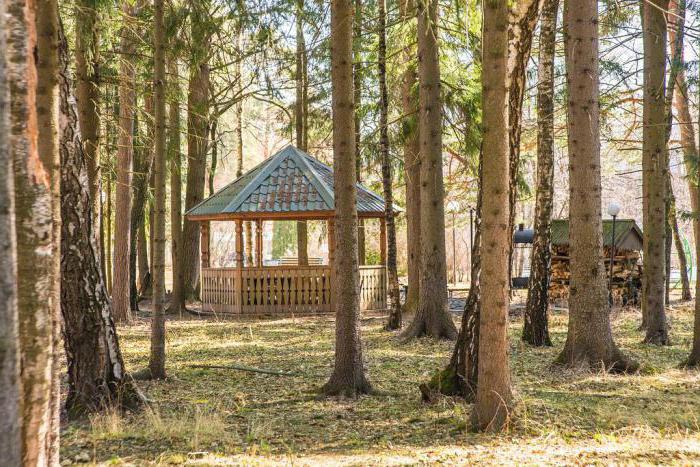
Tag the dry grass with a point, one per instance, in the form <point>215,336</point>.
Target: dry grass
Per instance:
<point>213,417</point>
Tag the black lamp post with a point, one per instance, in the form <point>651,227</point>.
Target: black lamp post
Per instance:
<point>613,210</point>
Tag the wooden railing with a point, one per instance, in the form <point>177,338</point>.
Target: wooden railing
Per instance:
<point>284,289</point>
<point>373,288</point>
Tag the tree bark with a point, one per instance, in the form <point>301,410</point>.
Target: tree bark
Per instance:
<point>493,393</point>
<point>30,44</point>
<point>125,144</point>
<point>411,155</point>
<point>535,327</point>
<point>522,21</point>
<point>138,256</point>
<point>655,177</point>
<point>394,304</point>
<point>589,339</point>
<point>693,360</point>
<point>156,362</point>
<point>213,138</point>
<point>177,301</point>
<point>197,124</point>
<point>432,316</point>
<point>461,375</point>
<point>10,385</point>
<point>685,121</point>
<point>47,103</point>
<point>108,235</point>
<point>87,68</point>
<point>357,93</point>
<point>676,35</point>
<point>680,251</point>
<point>300,121</point>
<point>348,377</point>
<point>96,375</point>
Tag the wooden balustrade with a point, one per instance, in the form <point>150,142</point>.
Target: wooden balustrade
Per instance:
<point>284,290</point>
<point>373,288</point>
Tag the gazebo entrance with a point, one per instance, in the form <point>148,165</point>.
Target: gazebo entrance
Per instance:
<point>291,185</point>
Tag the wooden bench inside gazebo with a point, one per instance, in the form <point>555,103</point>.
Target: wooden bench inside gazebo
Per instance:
<point>290,186</point>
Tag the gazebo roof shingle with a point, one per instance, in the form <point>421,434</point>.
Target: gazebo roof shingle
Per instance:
<point>289,182</point>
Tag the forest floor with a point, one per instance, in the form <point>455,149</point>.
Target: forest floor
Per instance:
<point>222,416</point>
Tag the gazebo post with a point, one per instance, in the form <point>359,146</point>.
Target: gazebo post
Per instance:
<point>258,243</point>
<point>204,244</point>
<point>238,281</point>
<point>382,241</point>
<point>331,259</point>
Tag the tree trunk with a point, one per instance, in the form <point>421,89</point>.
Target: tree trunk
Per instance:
<point>156,362</point>
<point>493,393</point>
<point>693,360</point>
<point>213,138</point>
<point>300,120</point>
<point>144,268</point>
<point>654,180</point>
<point>30,45</point>
<point>197,116</point>
<point>522,21</point>
<point>394,320</point>
<point>122,209</point>
<point>432,316</point>
<point>589,340</point>
<point>411,155</point>
<point>47,105</point>
<point>348,376</point>
<point>10,385</point>
<point>535,327</point>
<point>676,35</point>
<point>143,165</point>
<point>108,236</point>
<point>177,301</point>
<point>96,375</point>
<point>680,251</point>
<point>685,121</point>
<point>357,93</point>
<point>461,375</point>
<point>87,68</point>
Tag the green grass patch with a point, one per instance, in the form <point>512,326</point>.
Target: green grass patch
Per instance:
<point>214,416</point>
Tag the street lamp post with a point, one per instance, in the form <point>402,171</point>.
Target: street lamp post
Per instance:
<point>613,210</point>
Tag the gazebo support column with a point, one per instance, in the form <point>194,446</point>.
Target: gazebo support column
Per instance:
<point>204,244</point>
<point>238,281</point>
<point>259,243</point>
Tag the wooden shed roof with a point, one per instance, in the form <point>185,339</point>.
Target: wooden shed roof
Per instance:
<point>287,185</point>
<point>628,235</point>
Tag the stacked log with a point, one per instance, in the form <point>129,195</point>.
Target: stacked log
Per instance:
<point>626,275</point>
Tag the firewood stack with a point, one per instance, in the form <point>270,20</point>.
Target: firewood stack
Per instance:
<point>627,275</point>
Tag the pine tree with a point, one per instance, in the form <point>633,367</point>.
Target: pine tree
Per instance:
<point>493,393</point>
<point>589,338</point>
<point>432,316</point>
<point>535,328</point>
<point>348,376</point>
<point>156,362</point>
<point>655,178</point>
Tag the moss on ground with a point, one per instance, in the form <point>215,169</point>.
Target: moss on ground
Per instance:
<point>213,416</point>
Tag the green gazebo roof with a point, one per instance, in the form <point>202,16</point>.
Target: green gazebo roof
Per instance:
<point>289,183</point>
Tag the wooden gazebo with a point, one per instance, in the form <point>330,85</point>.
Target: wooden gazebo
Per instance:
<point>291,185</point>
